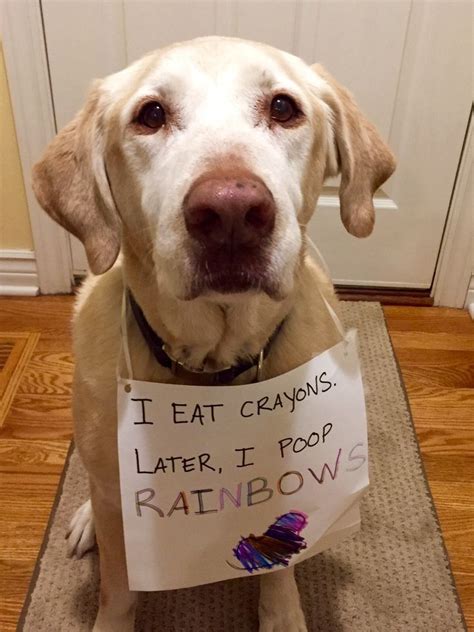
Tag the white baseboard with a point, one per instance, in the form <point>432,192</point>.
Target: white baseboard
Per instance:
<point>18,273</point>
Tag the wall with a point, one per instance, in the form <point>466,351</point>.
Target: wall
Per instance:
<point>15,231</point>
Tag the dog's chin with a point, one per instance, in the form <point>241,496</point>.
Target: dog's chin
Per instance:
<point>232,284</point>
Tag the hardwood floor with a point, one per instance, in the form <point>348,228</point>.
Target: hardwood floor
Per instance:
<point>435,348</point>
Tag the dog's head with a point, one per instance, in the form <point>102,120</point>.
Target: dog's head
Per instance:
<point>206,159</point>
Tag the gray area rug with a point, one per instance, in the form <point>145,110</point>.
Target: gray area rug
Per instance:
<point>392,576</point>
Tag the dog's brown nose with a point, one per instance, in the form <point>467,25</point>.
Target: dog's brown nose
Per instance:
<point>227,210</point>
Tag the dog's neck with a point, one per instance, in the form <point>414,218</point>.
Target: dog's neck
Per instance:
<point>204,333</point>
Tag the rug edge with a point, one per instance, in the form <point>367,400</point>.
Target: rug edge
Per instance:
<point>425,478</point>
<point>45,541</point>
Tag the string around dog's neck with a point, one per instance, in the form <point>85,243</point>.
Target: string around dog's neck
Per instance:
<point>157,346</point>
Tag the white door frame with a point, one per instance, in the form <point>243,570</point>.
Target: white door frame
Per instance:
<point>456,260</point>
<point>25,57</point>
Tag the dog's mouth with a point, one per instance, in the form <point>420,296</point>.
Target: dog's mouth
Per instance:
<point>224,271</point>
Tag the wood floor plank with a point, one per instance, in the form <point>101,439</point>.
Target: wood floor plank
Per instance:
<point>446,396</point>
<point>437,368</point>
<point>450,468</point>
<point>435,349</point>
<point>34,416</point>
<point>432,340</point>
<point>430,316</point>
<point>32,456</point>
<point>440,406</point>
<point>46,314</point>
<point>432,320</point>
<point>48,374</point>
<point>441,440</point>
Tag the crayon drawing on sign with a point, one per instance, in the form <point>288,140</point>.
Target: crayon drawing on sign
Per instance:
<point>276,546</point>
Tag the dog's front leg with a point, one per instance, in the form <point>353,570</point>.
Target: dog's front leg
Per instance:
<point>279,607</point>
<point>117,603</point>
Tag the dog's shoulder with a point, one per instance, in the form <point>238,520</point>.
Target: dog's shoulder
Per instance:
<point>96,322</point>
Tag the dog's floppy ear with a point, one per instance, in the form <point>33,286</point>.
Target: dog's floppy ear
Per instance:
<point>364,160</point>
<point>70,183</point>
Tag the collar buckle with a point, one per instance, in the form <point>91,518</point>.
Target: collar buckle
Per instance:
<point>176,364</point>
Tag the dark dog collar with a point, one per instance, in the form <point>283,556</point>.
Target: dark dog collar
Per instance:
<point>224,376</point>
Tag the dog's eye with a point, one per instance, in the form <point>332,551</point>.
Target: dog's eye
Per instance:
<point>283,108</point>
<point>152,115</point>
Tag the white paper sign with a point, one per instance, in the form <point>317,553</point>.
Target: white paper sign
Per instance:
<point>227,481</point>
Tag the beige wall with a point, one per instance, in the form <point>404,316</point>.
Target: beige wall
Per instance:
<point>15,231</point>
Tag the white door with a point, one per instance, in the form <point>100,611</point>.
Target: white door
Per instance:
<point>407,63</point>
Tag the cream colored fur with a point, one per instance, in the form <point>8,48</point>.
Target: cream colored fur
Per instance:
<point>211,85</point>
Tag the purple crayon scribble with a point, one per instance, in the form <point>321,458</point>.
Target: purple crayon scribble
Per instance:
<point>277,545</point>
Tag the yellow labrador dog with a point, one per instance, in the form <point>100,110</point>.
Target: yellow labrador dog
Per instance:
<point>200,164</point>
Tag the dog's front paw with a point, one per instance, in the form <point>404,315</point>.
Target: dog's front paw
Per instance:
<point>81,533</point>
<point>281,619</point>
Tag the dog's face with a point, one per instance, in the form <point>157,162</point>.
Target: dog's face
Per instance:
<point>207,159</point>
